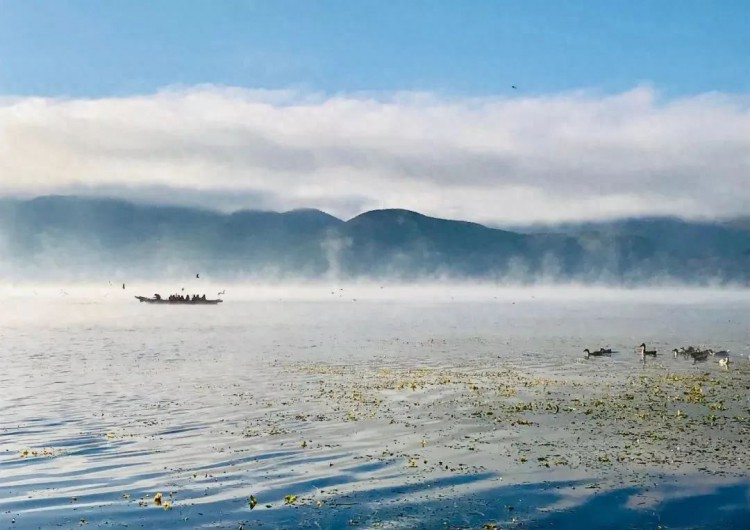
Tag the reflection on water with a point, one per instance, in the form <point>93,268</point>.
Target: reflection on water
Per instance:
<point>114,401</point>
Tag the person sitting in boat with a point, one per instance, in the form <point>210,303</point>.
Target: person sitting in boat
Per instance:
<point>203,298</point>
<point>157,296</point>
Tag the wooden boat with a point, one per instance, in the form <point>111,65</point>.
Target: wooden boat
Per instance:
<point>177,302</point>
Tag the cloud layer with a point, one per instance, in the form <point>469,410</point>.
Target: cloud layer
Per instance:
<point>503,160</point>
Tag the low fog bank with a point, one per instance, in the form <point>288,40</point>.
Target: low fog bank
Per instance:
<point>357,292</point>
<point>70,239</point>
<point>325,303</point>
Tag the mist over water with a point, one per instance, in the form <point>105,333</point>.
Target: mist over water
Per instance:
<point>344,394</point>
<point>77,239</point>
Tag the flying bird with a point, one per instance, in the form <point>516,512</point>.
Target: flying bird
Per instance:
<point>197,275</point>
<point>514,87</point>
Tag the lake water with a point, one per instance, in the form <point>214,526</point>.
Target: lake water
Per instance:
<point>368,406</point>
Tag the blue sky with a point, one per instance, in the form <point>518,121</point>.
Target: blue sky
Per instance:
<point>99,48</point>
<point>623,108</point>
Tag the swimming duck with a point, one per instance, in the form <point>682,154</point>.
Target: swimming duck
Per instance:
<point>699,356</point>
<point>645,352</point>
<point>597,353</point>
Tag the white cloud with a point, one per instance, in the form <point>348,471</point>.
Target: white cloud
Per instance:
<point>521,159</point>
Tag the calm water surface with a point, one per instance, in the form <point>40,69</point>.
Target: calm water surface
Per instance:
<point>122,400</point>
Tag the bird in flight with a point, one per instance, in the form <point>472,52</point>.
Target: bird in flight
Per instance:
<point>197,275</point>
<point>514,87</point>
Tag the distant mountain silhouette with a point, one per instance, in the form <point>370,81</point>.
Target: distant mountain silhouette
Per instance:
<point>405,243</point>
<point>73,236</point>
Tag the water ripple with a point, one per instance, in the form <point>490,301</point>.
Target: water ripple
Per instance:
<point>123,404</point>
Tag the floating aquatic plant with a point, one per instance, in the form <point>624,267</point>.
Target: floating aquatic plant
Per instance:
<point>290,499</point>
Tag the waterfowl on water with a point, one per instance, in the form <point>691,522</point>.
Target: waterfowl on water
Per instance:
<point>597,353</point>
<point>685,352</point>
<point>699,356</point>
<point>645,352</point>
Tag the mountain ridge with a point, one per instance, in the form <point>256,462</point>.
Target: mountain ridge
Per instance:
<point>61,235</point>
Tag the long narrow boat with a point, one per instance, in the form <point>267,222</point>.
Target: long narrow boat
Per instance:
<point>177,302</point>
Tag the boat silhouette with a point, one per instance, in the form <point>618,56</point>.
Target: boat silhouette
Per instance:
<point>197,301</point>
